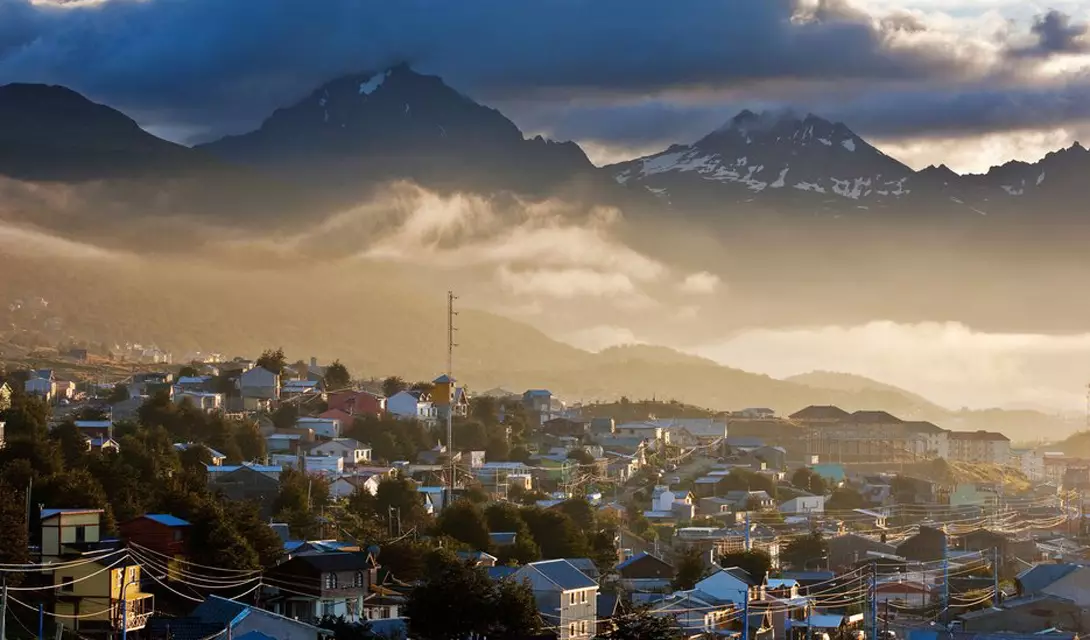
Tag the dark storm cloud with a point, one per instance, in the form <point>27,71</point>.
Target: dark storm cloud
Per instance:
<point>1055,33</point>
<point>215,63</point>
<point>945,111</point>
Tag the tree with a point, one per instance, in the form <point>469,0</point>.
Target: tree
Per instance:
<point>345,630</point>
<point>642,625</point>
<point>580,511</point>
<point>13,527</point>
<point>73,444</point>
<point>498,449</point>
<point>464,521</point>
<point>804,478</point>
<point>556,533</point>
<point>285,416</point>
<point>401,495</point>
<point>755,563</point>
<point>505,517</point>
<point>460,601</point>
<point>273,360</point>
<point>251,443</point>
<point>690,569</point>
<point>845,499</point>
<point>257,533</point>
<point>188,371</point>
<point>520,454</point>
<point>581,456</point>
<point>119,393</point>
<point>337,377</point>
<point>393,385</point>
<point>809,550</point>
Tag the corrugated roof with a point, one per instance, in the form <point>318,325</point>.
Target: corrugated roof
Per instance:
<point>563,574</point>
<point>220,611</point>
<point>1035,578</point>
<point>49,513</point>
<point>166,519</point>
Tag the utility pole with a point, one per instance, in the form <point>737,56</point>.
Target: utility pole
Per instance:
<point>450,401</point>
<point>995,578</point>
<point>945,577</point>
<point>747,530</point>
<point>873,613</point>
<point>745,616</point>
<point>4,609</point>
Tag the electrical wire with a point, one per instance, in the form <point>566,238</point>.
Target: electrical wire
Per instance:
<point>55,586</point>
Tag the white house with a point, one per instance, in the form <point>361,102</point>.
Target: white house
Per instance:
<point>412,405</point>
<point>804,504</point>
<point>323,465</point>
<point>731,584</point>
<point>347,486</point>
<point>566,597</point>
<point>353,451</point>
<point>199,399</point>
<point>323,427</point>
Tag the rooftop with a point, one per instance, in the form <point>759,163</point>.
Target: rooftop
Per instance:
<point>563,574</point>
<point>166,519</point>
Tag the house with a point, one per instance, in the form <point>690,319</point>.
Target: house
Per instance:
<point>803,504</point>
<point>283,442</point>
<point>447,396</point>
<point>346,486</point>
<point>602,426</point>
<point>645,430</point>
<point>301,389</point>
<point>95,428</point>
<point>566,597</point>
<point>103,444</point>
<point>311,586</point>
<point>353,451</point>
<point>217,458</point>
<point>41,383</point>
<point>929,544</point>
<point>731,584</point>
<point>322,427</point>
<point>203,400</point>
<point>1031,581</point>
<point>89,595</point>
<point>220,617</point>
<point>160,536</point>
<point>1026,616</point>
<point>979,446</point>
<point>820,414</point>
<point>644,572</point>
<point>538,404</point>
<point>357,403</point>
<point>566,427</point>
<point>314,465</point>
<point>259,388</point>
<point>850,548</point>
<point>5,396</point>
<point>906,593</point>
<point>774,457</point>
<point>412,405</point>
<point>1074,586</point>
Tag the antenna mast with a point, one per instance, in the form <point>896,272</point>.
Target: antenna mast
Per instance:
<point>453,393</point>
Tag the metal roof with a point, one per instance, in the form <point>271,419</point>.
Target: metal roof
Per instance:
<point>166,519</point>
<point>563,574</point>
<point>49,513</point>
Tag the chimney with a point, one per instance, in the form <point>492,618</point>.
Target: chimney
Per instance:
<point>313,362</point>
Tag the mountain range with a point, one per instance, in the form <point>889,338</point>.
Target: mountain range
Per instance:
<point>358,131</point>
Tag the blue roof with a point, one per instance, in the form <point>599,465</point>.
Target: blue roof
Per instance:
<point>537,393</point>
<point>166,519</point>
<point>638,556</point>
<point>501,572</point>
<point>393,628</point>
<point>443,379</point>
<point>745,441</point>
<point>502,538</point>
<point>1033,579</point>
<point>254,635</point>
<point>563,574</point>
<point>221,611</point>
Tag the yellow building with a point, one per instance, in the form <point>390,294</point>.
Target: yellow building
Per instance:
<point>104,593</point>
<point>445,393</point>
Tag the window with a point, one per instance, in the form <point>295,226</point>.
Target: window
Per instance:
<point>359,579</point>
<point>327,608</point>
<point>81,534</point>
<point>571,629</point>
<point>177,535</point>
<point>68,584</point>
<point>330,581</point>
<point>571,598</point>
<point>582,597</point>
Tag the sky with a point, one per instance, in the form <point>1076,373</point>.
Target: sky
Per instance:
<point>967,82</point>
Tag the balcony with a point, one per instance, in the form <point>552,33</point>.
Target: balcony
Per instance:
<point>136,610</point>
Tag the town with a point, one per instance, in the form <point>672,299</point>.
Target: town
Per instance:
<point>254,499</point>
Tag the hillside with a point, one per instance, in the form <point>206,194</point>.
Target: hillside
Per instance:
<point>856,383</point>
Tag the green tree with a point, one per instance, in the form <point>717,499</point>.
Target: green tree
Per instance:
<point>804,478</point>
<point>505,517</point>
<point>845,499</point>
<point>257,533</point>
<point>119,393</point>
<point>756,563</point>
<point>520,454</point>
<point>556,533</point>
<point>393,385</point>
<point>464,521</point>
<point>285,416</point>
<point>580,511</point>
<point>459,601</point>
<point>14,542</point>
<point>690,569</point>
<point>188,371</point>
<point>251,444</point>
<point>642,625</point>
<point>498,450</point>
<point>348,630</point>
<point>73,444</point>
<point>807,551</point>
<point>300,500</point>
<point>401,495</point>
<point>273,360</point>
<point>337,377</point>
<point>581,456</point>
<point>27,418</point>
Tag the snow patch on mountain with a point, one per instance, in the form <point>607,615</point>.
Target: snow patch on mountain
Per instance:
<point>371,85</point>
